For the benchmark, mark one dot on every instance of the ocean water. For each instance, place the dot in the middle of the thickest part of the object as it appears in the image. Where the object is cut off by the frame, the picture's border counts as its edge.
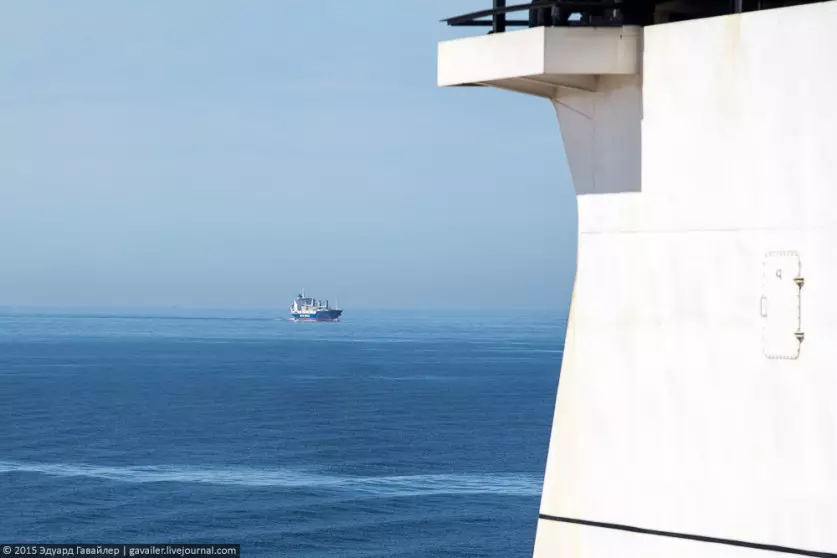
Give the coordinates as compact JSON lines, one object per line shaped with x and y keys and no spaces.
{"x":388,"y":434}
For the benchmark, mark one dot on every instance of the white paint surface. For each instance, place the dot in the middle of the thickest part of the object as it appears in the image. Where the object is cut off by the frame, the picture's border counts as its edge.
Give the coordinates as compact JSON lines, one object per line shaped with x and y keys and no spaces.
{"x":573,"y":540}
{"x":602,"y":134}
{"x":781,"y":305}
{"x":540,"y":52}
{"x":673,"y":412}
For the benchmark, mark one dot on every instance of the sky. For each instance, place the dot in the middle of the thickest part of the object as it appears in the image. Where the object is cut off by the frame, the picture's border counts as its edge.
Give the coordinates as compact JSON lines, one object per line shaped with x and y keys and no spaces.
{"x":219,"y":154}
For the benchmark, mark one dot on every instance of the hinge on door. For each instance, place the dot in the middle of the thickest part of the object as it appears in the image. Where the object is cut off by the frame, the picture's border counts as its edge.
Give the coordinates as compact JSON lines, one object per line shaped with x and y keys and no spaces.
{"x":800,"y":282}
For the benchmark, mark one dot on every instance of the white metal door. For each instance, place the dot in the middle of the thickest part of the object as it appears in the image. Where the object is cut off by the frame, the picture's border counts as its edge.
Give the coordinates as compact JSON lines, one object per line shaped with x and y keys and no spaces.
{"x":781,"y":305}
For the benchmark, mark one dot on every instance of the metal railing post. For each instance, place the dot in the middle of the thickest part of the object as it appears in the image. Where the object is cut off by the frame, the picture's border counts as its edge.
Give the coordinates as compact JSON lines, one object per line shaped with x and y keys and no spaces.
{"x":498,"y":19}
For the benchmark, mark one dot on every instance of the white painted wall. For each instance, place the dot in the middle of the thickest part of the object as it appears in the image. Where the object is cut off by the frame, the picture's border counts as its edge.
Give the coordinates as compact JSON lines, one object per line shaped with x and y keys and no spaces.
{"x":537,"y":52}
{"x":686,"y":402}
{"x":602,"y":132}
{"x":670,"y":413}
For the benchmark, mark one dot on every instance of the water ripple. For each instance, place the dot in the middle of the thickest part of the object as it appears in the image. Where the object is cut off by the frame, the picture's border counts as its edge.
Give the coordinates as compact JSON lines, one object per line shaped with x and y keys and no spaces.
{"x":510,"y":484}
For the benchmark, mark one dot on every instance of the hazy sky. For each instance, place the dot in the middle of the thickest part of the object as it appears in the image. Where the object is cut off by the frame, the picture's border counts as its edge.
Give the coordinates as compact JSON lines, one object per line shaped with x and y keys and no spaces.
{"x":228,"y":153}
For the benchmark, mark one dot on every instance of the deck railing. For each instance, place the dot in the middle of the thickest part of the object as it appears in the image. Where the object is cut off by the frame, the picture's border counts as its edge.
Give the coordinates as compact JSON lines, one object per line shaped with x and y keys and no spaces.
{"x":544,"y":13}
{"x":554,"y":13}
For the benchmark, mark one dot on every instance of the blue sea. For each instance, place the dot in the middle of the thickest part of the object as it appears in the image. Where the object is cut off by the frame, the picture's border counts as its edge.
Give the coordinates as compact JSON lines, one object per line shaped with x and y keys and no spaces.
{"x":387,"y":434}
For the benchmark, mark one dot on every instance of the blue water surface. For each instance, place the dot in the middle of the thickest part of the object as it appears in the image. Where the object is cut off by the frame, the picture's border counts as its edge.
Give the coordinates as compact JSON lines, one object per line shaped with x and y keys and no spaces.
{"x":387,"y":434}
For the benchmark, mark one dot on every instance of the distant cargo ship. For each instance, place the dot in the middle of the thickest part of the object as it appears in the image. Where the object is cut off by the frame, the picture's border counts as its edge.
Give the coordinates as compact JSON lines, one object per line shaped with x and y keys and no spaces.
{"x":310,"y":310}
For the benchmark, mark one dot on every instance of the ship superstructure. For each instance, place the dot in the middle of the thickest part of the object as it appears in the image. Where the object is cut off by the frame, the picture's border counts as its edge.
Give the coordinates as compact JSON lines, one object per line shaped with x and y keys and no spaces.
{"x":695,"y":414}
{"x":306,"y":309}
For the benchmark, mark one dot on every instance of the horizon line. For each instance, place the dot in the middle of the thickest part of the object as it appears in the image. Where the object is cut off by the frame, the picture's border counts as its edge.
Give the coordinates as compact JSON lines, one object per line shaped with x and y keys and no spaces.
{"x":115,"y":308}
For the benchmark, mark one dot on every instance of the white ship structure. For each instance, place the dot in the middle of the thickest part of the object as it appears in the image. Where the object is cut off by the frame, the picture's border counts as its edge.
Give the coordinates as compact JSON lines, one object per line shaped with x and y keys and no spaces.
{"x":697,"y":404}
{"x":307,"y":309}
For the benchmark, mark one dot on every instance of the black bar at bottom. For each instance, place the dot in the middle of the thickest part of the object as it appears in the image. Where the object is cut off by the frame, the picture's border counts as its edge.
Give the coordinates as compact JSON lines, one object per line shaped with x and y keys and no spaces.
{"x":699,"y":538}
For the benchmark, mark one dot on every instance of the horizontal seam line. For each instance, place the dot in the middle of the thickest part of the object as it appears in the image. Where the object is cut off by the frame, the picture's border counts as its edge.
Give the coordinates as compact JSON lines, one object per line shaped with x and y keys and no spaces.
{"x":699,"y":538}
{"x":699,"y":230}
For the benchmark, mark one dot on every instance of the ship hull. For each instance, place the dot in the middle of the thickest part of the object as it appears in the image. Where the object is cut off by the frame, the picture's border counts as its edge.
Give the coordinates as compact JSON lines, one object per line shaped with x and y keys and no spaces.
{"x":688,"y":279}
{"x":319,"y":316}
{"x":692,"y":420}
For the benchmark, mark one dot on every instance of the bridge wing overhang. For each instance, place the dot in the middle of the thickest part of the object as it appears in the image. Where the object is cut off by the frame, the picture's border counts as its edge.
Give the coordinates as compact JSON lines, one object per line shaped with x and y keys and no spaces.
{"x":540,"y":60}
